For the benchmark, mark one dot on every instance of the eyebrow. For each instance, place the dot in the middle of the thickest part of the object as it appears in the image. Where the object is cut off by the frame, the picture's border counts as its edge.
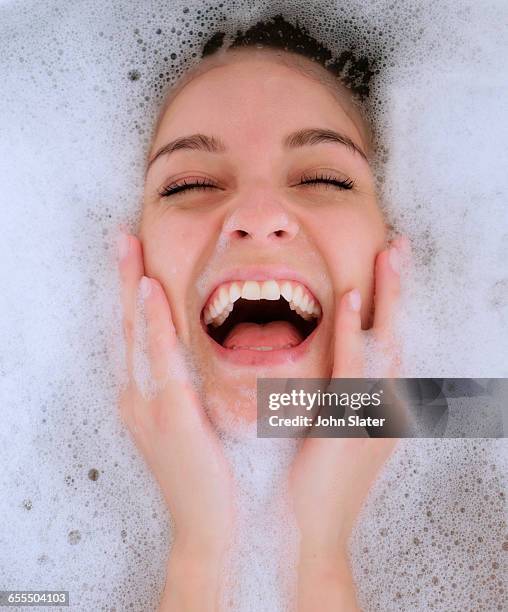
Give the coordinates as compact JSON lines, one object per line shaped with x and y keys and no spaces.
{"x":300,"y":138}
{"x":194,"y":142}
{"x":314,"y":136}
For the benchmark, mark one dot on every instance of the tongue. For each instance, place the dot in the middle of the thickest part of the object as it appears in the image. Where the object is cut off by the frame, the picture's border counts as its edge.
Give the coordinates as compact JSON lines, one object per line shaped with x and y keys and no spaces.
{"x":267,"y":336}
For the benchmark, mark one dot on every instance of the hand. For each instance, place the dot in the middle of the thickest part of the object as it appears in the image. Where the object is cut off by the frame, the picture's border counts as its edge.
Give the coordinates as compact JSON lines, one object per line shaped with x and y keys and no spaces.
{"x":331,"y":477}
{"x":176,"y":439}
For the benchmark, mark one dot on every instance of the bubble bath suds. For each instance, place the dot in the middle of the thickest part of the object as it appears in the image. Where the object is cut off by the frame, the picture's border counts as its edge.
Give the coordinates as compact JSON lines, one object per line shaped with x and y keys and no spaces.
{"x":81,"y":85}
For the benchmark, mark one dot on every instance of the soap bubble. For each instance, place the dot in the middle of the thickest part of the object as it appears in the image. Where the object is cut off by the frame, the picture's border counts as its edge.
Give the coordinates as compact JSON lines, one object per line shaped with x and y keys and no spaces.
{"x":81,"y":89}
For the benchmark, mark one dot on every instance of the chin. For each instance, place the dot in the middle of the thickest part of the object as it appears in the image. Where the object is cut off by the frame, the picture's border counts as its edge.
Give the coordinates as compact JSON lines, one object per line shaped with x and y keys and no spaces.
{"x":229,"y":386}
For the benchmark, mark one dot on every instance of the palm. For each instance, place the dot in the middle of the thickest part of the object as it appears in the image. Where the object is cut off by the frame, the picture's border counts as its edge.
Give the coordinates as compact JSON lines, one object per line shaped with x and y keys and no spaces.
{"x":168,"y":422}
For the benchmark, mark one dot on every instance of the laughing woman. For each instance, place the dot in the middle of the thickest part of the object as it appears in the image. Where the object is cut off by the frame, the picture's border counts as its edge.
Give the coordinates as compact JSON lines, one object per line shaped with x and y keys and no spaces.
{"x":262,"y":248}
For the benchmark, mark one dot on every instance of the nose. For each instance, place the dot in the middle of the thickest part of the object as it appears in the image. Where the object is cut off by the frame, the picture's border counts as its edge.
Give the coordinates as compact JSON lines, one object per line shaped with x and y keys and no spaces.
{"x":262,"y":219}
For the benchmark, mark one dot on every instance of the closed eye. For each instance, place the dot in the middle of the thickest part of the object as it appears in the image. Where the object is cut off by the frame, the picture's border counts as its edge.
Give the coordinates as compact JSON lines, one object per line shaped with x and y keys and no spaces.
{"x":327,"y":181}
{"x":183,"y":185}
{"x":322,"y":180}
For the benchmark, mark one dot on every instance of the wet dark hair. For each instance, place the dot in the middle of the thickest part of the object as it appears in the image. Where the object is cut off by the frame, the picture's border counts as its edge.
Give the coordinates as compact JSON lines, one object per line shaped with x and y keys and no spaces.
{"x":278,"y":33}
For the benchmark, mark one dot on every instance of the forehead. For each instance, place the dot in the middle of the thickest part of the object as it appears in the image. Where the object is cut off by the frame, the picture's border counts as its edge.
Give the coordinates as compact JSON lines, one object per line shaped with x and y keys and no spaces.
{"x":248,"y":95}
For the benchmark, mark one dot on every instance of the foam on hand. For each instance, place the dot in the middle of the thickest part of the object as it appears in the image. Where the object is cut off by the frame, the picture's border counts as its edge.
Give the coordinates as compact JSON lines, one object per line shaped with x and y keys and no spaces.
{"x":81,"y":88}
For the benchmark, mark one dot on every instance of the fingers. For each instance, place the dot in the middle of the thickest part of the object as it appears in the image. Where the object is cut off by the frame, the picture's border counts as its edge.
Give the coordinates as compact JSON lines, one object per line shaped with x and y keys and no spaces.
{"x":388,"y":267}
{"x":161,"y":335}
{"x":176,"y":407}
{"x":130,"y":266}
{"x":348,"y":350}
{"x":125,"y":404}
{"x":387,"y":279}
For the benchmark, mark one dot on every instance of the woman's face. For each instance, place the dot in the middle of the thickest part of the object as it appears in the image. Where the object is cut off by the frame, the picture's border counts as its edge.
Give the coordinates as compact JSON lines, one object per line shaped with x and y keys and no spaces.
{"x":273,"y":162}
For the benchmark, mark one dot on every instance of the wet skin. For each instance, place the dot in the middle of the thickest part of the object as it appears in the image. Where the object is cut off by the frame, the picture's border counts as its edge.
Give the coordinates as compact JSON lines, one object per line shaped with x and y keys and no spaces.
{"x":266,"y":213}
{"x":257,"y":220}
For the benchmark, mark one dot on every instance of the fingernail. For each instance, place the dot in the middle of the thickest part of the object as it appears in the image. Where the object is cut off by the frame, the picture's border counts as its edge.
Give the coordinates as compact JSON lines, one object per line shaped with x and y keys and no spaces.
{"x":394,"y":259}
{"x":123,"y":246}
{"x":355,"y":300}
{"x":145,"y":287}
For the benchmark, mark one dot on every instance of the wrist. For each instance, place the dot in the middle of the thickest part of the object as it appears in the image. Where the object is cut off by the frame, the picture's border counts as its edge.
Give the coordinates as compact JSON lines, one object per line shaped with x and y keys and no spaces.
{"x":324,"y":545}
{"x":193,"y":578}
{"x":207,"y":545}
{"x":329,"y":560}
{"x":325,"y":580}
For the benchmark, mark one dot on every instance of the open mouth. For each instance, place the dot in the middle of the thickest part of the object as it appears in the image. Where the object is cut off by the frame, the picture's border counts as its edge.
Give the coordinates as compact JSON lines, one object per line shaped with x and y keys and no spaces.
{"x":265,"y":315}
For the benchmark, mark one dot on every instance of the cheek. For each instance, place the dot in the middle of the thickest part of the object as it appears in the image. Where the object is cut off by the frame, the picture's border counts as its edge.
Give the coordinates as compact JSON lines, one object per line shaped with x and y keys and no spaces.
{"x":166,"y":246}
{"x":349,"y":239}
{"x":170,"y":250}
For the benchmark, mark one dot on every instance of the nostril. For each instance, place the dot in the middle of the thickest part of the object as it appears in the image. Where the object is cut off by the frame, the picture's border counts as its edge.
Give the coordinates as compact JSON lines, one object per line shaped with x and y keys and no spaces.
{"x":242,"y":233}
{"x":279,"y":233}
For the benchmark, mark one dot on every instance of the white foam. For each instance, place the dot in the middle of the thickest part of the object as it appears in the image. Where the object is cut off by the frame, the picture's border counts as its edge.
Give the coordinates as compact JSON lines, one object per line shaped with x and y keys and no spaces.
{"x":81,"y":87}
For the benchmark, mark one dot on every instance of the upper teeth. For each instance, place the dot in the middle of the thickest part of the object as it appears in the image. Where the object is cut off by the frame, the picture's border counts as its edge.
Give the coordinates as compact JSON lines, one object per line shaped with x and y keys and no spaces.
{"x":224,"y":297}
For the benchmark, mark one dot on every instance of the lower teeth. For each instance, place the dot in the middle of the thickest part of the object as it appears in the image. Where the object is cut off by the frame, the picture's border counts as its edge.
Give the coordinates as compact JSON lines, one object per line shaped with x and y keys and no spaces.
{"x":261,"y":348}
